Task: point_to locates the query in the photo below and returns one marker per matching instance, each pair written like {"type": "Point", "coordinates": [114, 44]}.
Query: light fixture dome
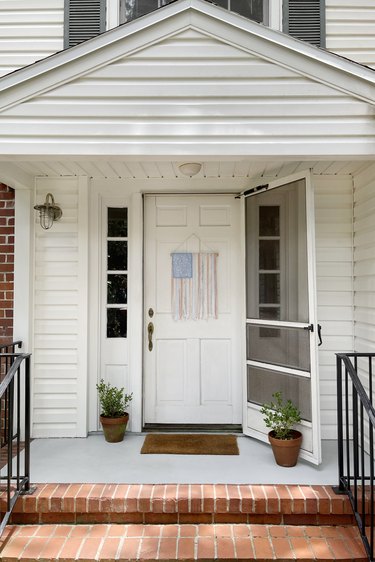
{"type": "Point", "coordinates": [190, 168]}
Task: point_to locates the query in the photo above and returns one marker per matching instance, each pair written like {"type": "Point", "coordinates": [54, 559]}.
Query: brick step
{"type": "Point", "coordinates": [182, 504]}
{"type": "Point", "coordinates": [181, 542]}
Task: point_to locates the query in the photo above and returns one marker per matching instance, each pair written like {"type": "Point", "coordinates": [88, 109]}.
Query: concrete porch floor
{"type": "Point", "coordinates": [93, 460]}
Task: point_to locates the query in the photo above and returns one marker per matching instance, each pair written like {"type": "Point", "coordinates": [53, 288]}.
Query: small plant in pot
{"type": "Point", "coordinates": [113, 417]}
{"type": "Point", "coordinates": [280, 416]}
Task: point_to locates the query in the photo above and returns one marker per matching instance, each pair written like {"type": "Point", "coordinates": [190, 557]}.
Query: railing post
{"type": "Point", "coordinates": [27, 424]}
{"type": "Point", "coordinates": [340, 434]}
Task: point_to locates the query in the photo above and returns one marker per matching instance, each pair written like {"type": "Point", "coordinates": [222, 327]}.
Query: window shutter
{"type": "Point", "coordinates": [84, 19]}
{"type": "Point", "coordinates": [305, 20]}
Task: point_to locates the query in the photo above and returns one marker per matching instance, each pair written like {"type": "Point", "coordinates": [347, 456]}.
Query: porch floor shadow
{"type": "Point", "coordinates": [94, 460]}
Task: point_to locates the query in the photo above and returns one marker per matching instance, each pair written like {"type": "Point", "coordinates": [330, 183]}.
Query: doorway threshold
{"type": "Point", "coordinates": [191, 428]}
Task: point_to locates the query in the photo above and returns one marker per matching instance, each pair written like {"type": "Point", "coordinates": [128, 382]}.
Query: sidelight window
{"type": "Point", "coordinates": [117, 272]}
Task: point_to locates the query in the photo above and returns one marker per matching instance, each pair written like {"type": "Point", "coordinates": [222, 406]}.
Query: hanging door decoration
{"type": "Point", "coordinates": [194, 285]}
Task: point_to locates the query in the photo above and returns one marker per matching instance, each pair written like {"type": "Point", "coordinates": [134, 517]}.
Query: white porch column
{"type": "Point", "coordinates": [136, 309]}
{"type": "Point", "coordinates": [23, 267]}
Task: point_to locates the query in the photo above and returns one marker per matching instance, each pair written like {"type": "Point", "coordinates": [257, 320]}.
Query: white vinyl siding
{"type": "Point", "coordinates": [60, 314]}
{"type": "Point", "coordinates": [334, 257]}
{"type": "Point", "coordinates": [364, 265]}
{"type": "Point", "coordinates": [350, 29]}
{"type": "Point", "coordinates": [189, 93]}
{"type": "Point", "coordinates": [30, 30]}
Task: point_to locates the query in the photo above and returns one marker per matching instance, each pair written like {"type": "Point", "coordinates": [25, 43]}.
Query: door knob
{"type": "Point", "coordinates": [150, 331]}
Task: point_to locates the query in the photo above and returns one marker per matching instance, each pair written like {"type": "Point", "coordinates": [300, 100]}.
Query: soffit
{"type": "Point", "coordinates": [240, 169]}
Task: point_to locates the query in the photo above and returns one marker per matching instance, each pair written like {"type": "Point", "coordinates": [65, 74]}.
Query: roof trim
{"type": "Point", "coordinates": [322, 66]}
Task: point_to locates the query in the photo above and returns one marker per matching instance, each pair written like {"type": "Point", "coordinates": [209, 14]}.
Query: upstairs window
{"type": "Point", "coordinates": [302, 19]}
{"type": "Point", "coordinates": [256, 10]}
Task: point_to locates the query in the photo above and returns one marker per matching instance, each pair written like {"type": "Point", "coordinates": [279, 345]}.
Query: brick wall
{"type": "Point", "coordinates": [6, 262]}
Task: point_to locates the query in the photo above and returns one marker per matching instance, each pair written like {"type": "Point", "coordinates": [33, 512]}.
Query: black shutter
{"type": "Point", "coordinates": [83, 20]}
{"type": "Point", "coordinates": [305, 20]}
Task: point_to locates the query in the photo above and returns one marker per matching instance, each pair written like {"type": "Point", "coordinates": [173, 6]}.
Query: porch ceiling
{"type": "Point", "coordinates": [127, 169]}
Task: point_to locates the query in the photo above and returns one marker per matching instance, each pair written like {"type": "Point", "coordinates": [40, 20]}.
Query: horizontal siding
{"type": "Point", "coordinates": [364, 256]}
{"type": "Point", "coordinates": [30, 30]}
{"type": "Point", "coordinates": [59, 368]}
{"type": "Point", "coordinates": [350, 26]}
{"type": "Point", "coordinates": [189, 91]}
{"type": "Point", "coordinates": [334, 255]}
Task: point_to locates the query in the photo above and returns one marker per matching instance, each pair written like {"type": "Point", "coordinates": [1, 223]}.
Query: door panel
{"type": "Point", "coordinates": [280, 325]}
{"type": "Point", "coordinates": [192, 374]}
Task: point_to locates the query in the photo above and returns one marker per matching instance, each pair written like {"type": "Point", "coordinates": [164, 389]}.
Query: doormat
{"type": "Point", "coordinates": [187, 444]}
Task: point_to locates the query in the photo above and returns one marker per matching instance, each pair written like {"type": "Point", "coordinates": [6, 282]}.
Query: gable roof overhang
{"type": "Point", "coordinates": [309, 61]}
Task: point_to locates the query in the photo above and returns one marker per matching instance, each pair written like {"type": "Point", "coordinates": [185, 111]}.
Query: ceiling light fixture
{"type": "Point", "coordinates": [190, 168]}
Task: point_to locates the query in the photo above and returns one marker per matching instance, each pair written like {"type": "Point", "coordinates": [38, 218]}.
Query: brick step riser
{"type": "Point", "coordinates": [182, 518]}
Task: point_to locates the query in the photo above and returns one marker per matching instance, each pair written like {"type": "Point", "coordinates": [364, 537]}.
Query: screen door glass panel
{"type": "Point", "coordinates": [261, 384]}
{"type": "Point", "coordinates": [277, 293]}
{"type": "Point", "coordinates": [276, 254]}
{"type": "Point", "coordinates": [287, 347]}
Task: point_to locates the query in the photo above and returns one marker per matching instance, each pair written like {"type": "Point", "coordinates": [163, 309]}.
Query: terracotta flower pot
{"type": "Point", "coordinates": [114, 428]}
{"type": "Point", "coordinates": [286, 451]}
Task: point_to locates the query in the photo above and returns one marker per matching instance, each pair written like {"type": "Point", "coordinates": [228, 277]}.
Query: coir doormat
{"type": "Point", "coordinates": [188, 444]}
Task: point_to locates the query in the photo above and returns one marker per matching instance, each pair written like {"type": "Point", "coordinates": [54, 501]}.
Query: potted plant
{"type": "Point", "coordinates": [280, 416]}
{"type": "Point", "coordinates": [113, 417]}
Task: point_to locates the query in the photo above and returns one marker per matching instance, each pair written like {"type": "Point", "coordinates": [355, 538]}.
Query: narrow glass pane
{"type": "Point", "coordinates": [269, 254]}
{"type": "Point", "coordinates": [269, 220]}
{"type": "Point", "coordinates": [252, 9]}
{"type": "Point", "coordinates": [269, 288]}
{"type": "Point", "coordinates": [287, 347]}
{"type": "Point", "coordinates": [222, 3]}
{"type": "Point", "coordinates": [145, 7]}
{"type": "Point", "coordinates": [261, 384]}
{"type": "Point", "coordinates": [116, 323]}
{"type": "Point", "coordinates": [269, 313]}
{"type": "Point", "coordinates": [117, 289]}
{"type": "Point", "coordinates": [117, 255]}
{"type": "Point", "coordinates": [280, 214]}
{"type": "Point", "coordinates": [117, 222]}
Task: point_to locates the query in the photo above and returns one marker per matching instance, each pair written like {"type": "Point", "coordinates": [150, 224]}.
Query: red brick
{"type": "Point", "coordinates": [158, 499]}
{"type": "Point", "coordinates": [222, 501]}
{"type": "Point", "coordinates": [185, 548]}
{"type": "Point", "coordinates": [170, 498]}
{"type": "Point", "coordinates": [206, 548]}
{"type": "Point", "coordinates": [130, 548]}
{"type": "Point", "coordinates": [168, 548]}
{"type": "Point", "coordinates": [149, 548]}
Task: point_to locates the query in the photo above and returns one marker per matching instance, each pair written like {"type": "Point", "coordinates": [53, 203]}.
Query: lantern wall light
{"type": "Point", "coordinates": [49, 212]}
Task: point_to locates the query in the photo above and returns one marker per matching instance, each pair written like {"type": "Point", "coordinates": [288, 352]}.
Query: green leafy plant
{"type": "Point", "coordinates": [113, 400]}
{"type": "Point", "coordinates": [280, 416]}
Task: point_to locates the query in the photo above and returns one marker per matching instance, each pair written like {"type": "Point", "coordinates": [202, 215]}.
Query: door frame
{"type": "Point", "coordinates": [315, 456]}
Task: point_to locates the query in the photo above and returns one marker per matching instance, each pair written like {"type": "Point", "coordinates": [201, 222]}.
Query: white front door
{"type": "Point", "coordinates": [281, 327]}
{"type": "Point", "coordinates": [192, 367]}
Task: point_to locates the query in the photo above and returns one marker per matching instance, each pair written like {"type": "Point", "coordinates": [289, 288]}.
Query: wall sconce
{"type": "Point", "coordinates": [48, 212]}
{"type": "Point", "coordinates": [190, 168]}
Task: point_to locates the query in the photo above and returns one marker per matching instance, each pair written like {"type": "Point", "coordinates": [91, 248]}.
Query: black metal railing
{"type": "Point", "coordinates": [9, 348]}
{"type": "Point", "coordinates": [355, 434]}
{"type": "Point", "coordinates": [15, 427]}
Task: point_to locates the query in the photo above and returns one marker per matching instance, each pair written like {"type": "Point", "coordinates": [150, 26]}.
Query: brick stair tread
{"type": "Point", "coordinates": [180, 542]}
{"type": "Point", "coordinates": [182, 503]}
